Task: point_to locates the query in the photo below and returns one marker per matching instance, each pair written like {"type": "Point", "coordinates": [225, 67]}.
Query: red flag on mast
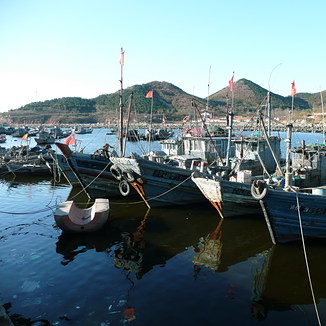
{"type": "Point", "coordinates": [122, 57]}
{"type": "Point", "coordinates": [231, 83]}
{"type": "Point", "coordinates": [293, 89]}
{"type": "Point", "coordinates": [149, 94]}
{"type": "Point", "coordinates": [70, 140]}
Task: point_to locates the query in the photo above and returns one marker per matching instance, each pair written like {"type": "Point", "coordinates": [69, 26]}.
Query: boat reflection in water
{"type": "Point", "coordinates": [282, 284]}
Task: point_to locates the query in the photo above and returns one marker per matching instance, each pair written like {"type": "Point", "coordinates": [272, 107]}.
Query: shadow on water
{"type": "Point", "coordinates": [282, 283]}
{"type": "Point", "coordinates": [136, 240]}
{"type": "Point", "coordinates": [140, 238]}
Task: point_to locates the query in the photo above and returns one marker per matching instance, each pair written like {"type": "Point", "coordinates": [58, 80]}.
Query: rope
{"type": "Point", "coordinates": [166, 192]}
{"type": "Point", "coordinates": [306, 261]}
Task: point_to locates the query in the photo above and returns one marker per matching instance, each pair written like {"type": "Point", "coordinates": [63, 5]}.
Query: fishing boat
{"type": "Point", "coordinates": [230, 198]}
{"type": "Point", "coordinates": [83, 130]}
{"type": "Point", "coordinates": [230, 193]}
{"type": "Point", "coordinates": [22, 160]}
{"type": "Point", "coordinates": [29, 167]}
{"type": "Point", "coordinates": [3, 138]}
{"type": "Point", "coordinates": [292, 215]}
{"type": "Point", "coordinates": [19, 132]}
{"type": "Point", "coordinates": [71, 218]}
{"type": "Point", "coordinates": [90, 171]}
{"type": "Point", "coordinates": [295, 212]}
{"type": "Point", "coordinates": [44, 138]}
{"type": "Point", "coordinates": [157, 183]}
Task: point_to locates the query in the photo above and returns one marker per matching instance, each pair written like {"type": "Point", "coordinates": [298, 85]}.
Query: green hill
{"type": "Point", "coordinates": [169, 100]}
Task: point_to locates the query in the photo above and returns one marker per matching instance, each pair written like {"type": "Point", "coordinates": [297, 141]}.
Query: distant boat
{"type": "Point", "coordinates": [44, 137]}
{"type": "Point", "coordinates": [59, 133]}
{"type": "Point", "coordinates": [19, 132]}
{"type": "Point", "coordinates": [157, 134]}
{"type": "Point", "coordinates": [3, 139]}
{"type": "Point", "coordinates": [29, 167]}
{"type": "Point", "coordinates": [71, 218]}
{"type": "Point", "coordinates": [83, 130]}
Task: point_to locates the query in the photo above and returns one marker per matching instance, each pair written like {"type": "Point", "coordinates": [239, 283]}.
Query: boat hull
{"type": "Point", "coordinates": [162, 184]}
{"type": "Point", "coordinates": [229, 198]}
{"type": "Point", "coordinates": [89, 171]}
{"type": "Point", "coordinates": [283, 211]}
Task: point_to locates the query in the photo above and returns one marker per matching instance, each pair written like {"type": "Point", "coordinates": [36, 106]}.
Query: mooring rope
{"type": "Point", "coordinates": [306, 260]}
{"type": "Point", "coordinates": [166, 192]}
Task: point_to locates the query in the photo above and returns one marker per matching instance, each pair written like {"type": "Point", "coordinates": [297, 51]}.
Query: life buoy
{"type": "Point", "coordinates": [124, 188]}
{"type": "Point", "coordinates": [258, 189]}
{"type": "Point", "coordinates": [128, 175]}
{"type": "Point", "coordinates": [116, 172]}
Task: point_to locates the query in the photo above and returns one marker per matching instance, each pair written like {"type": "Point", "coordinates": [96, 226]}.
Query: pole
{"type": "Point", "coordinates": [127, 123]}
{"type": "Point", "coordinates": [150, 124]}
{"type": "Point", "coordinates": [121, 104]}
{"type": "Point", "coordinates": [269, 113]}
{"type": "Point", "coordinates": [229, 127]}
{"type": "Point", "coordinates": [287, 159]}
{"type": "Point", "coordinates": [322, 110]}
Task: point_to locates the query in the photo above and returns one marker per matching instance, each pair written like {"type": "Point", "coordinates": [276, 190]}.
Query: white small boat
{"type": "Point", "coordinates": [71, 218]}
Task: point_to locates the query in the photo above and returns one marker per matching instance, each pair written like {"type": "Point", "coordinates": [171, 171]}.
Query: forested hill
{"type": "Point", "coordinates": [168, 100]}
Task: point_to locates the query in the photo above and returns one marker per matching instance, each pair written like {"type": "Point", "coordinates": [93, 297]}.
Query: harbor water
{"type": "Point", "coordinates": [171, 266]}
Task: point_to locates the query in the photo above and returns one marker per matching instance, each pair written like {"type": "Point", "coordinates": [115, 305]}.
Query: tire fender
{"type": "Point", "coordinates": [124, 188]}
{"type": "Point", "coordinates": [258, 189]}
{"type": "Point", "coordinates": [116, 172]}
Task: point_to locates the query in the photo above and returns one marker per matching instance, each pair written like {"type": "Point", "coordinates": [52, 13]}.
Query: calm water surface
{"type": "Point", "coordinates": [172, 266]}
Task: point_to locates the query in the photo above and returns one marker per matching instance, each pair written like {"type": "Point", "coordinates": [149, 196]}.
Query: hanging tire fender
{"type": "Point", "coordinates": [116, 172]}
{"type": "Point", "coordinates": [124, 188]}
{"type": "Point", "coordinates": [258, 189]}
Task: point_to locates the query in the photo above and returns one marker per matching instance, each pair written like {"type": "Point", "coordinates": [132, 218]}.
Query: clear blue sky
{"type": "Point", "coordinates": [51, 49]}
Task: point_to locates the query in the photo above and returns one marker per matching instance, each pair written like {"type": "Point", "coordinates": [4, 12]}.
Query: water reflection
{"type": "Point", "coordinates": [282, 283]}
{"type": "Point", "coordinates": [231, 241]}
{"type": "Point", "coordinates": [209, 249]}
{"type": "Point", "coordinates": [130, 253]}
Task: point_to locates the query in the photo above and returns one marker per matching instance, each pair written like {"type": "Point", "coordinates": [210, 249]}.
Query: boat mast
{"type": "Point", "coordinates": [121, 104]}
{"type": "Point", "coordinates": [208, 87]}
{"type": "Point", "coordinates": [269, 114]}
{"type": "Point", "coordinates": [288, 175]}
{"type": "Point", "coordinates": [151, 124]}
{"type": "Point", "coordinates": [128, 120]}
{"type": "Point", "coordinates": [230, 128]}
{"type": "Point", "coordinates": [269, 100]}
{"type": "Point", "coordinates": [322, 110]}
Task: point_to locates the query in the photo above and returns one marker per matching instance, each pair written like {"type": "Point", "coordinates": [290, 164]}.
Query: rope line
{"type": "Point", "coordinates": [306, 261]}
{"type": "Point", "coordinates": [166, 192]}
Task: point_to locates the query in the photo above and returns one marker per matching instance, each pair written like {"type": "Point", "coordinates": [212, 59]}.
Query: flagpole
{"type": "Point", "coordinates": [208, 91]}
{"type": "Point", "coordinates": [232, 93]}
{"type": "Point", "coordinates": [150, 123]}
{"type": "Point", "coordinates": [322, 110]}
{"type": "Point", "coordinates": [292, 108]}
{"type": "Point", "coordinates": [293, 91]}
{"type": "Point", "coordinates": [121, 103]}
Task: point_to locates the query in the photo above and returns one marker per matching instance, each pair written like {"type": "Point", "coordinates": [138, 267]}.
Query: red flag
{"type": "Point", "coordinates": [149, 94]}
{"type": "Point", "coordinates": [231, 83]}
{"type": "Point", "coordinates": [293, 89]}
{"type": "Point", "coordinates": [122, 57]}
{"type": "Point", "coordinates": [70, 140]}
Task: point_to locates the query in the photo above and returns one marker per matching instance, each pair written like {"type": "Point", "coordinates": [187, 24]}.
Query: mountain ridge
{"type": "Point", "coordinates": [168, 100]}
